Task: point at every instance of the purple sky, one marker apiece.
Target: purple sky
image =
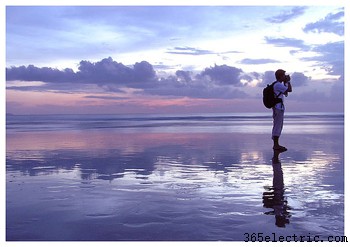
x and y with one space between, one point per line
188 59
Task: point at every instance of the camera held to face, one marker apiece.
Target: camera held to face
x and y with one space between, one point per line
287 78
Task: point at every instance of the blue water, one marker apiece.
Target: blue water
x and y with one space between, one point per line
172 177
242 122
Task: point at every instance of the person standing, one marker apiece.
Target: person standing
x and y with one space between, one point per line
281 88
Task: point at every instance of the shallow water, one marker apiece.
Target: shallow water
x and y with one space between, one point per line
171 179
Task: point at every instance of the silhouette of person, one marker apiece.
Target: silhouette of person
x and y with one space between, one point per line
274 197
281 89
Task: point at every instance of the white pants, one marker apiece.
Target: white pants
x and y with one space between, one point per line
278 116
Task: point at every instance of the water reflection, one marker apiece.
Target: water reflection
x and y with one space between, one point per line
161 186
274 196
110 157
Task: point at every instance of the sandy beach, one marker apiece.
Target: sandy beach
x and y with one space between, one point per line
182 182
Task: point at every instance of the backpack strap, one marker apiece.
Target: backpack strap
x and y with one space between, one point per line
273 87
279 95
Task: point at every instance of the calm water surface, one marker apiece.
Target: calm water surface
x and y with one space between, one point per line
172 178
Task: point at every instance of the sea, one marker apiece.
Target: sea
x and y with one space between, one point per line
167 177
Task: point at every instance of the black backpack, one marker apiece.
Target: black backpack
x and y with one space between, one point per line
269 98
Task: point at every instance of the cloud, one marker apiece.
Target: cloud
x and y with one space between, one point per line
45 74
298 79
196 52
251 76
223 74
101 73
332 23
268 78
330 58
218 82
258 61
335 94
287 15
108 71
199 88
189 51
286 42
110 76
184 75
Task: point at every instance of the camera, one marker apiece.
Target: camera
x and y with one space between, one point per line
287 78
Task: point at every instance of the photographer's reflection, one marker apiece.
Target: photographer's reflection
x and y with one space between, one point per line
274 197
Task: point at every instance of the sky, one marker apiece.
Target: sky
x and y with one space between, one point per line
171 59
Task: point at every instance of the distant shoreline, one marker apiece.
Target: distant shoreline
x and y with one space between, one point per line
306 113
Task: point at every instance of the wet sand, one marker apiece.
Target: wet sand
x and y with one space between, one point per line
110 185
